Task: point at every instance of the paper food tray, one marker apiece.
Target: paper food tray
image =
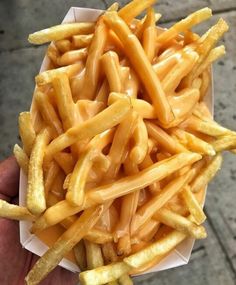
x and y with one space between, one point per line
179 256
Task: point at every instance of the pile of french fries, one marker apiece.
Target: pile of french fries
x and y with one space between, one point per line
119 145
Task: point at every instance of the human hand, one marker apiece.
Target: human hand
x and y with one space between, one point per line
15 262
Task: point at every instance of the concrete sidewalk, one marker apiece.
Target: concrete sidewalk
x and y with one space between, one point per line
213 261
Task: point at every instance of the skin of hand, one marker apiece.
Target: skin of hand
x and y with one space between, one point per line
15 261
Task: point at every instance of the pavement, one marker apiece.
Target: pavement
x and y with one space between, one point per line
213 261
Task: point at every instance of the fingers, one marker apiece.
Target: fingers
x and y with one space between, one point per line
9 177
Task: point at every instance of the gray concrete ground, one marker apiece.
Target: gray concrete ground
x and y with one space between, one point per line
213 261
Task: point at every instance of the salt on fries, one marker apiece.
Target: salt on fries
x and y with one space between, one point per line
120 145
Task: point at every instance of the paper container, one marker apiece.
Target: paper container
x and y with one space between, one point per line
179 256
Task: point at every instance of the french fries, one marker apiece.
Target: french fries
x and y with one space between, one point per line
119 145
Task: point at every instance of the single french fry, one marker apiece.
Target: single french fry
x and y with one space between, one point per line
93 67
27 132
190 37
148 231
140 136
134 8
142 179
205 84
80 255
60 32
65 161
179 71
121 138
197 83
129 204
77 181
104 274
207 127
48 112
64 100
145 212
149 35
180 223
158 248
81 41
141 65
185 24
98 236
111 67
53 54
163 139
109 253
192 142
163 67
105 120
63 245
93 255
35 200
47 76
206 174
72 56
214 54
14 212
225 143
194 207
21 158
143 108
63 45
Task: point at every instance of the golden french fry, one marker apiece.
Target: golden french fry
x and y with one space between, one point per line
93 255
98 236
180 223
63 45
125 280
185 24
21 158
104 274
227 142
149 35
163 67
207 173
164 139
53 54
148 231
72 56
109 253
14 212
141 180
65 161
47 76
77 181
179 71
134 8
80 255
27 132
193 143
103 92
194 207
35 200
48 112
93 67
207 127
121 138
131 86
205 76
143 108
145 212
63 245
124 245
60 32
158 248
81 41
214 54
111 67
141 65
105 120
140 136
64 100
